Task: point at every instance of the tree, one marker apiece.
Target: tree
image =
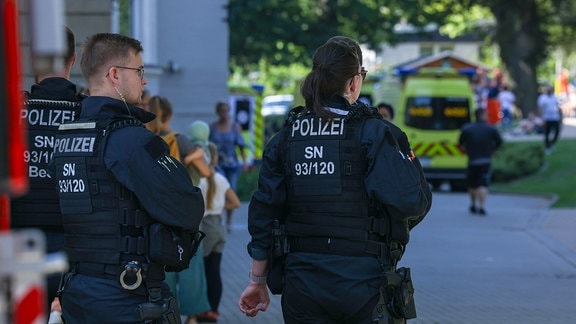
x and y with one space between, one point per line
279 32
282 32
525 32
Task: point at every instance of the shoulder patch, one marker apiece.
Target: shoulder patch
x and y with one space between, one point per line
156 147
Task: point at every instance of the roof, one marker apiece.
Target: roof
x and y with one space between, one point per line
436 36
442 59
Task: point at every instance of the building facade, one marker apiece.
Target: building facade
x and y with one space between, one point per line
185 48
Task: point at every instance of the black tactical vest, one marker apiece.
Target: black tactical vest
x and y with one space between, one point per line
103 221
326 166
39 207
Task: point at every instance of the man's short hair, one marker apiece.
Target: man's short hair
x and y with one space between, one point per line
70 45
104 50
479 113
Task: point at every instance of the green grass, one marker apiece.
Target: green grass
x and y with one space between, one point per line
519 167
556 177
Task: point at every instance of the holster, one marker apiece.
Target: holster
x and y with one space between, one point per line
165 311
277 260
396 302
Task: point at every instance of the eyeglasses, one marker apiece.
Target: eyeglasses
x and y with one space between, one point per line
363 73
139 69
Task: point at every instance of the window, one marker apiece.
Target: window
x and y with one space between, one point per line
446 48
437 113
426 50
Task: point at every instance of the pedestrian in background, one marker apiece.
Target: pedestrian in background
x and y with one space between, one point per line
386 110
507 100
218 196
181 147
199 134
552 116
189 285
127 205
333 169
479 140
227 135
52 95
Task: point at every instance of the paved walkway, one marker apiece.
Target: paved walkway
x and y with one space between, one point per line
516 265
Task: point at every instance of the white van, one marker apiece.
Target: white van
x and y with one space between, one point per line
274 109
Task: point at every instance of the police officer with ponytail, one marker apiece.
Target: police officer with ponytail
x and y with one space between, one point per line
339 191
51 101
130 211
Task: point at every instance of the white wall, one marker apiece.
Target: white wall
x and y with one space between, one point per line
193 35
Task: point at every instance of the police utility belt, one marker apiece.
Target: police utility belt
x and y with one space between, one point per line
375 244
170 249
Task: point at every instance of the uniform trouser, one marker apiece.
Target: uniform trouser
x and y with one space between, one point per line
88 299
325 288
54 243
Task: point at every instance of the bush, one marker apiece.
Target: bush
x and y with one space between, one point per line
247 183
517 159
512 161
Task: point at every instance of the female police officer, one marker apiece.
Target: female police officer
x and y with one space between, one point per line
346 194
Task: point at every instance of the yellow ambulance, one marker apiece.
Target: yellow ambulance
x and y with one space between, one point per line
434 104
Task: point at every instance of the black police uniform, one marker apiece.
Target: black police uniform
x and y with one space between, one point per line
326 183
49 104
116 181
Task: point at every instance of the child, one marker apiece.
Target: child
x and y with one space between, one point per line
218 196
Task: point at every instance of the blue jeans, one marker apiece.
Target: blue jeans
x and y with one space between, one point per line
506 119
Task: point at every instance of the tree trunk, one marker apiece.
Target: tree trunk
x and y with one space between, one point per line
522 48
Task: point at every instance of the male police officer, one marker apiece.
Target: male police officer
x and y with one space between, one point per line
126 204
52 101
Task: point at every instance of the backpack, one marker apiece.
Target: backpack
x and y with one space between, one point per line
170 139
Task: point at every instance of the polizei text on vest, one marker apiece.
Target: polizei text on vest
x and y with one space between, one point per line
75 144
318 127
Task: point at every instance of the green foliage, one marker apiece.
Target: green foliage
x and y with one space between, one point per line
282 32
247 184
513 161
276 32
555 178
125 7
517 159
277 79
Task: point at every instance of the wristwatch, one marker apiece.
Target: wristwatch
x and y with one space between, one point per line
257 279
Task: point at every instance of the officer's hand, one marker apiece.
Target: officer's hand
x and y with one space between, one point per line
56 306
253 299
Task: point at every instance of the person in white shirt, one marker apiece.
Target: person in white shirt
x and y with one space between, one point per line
507 100
218 196
550 112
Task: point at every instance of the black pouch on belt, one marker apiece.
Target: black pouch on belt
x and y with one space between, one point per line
172 247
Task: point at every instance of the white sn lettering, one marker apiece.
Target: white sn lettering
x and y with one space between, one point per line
314 152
